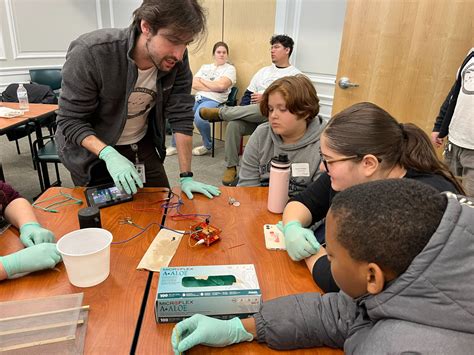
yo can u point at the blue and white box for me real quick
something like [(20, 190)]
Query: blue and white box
[(221, 291)]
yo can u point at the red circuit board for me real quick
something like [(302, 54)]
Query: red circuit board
[(205, 231)]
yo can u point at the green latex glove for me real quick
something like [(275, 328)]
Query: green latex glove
[(121, 170), (188, 185), (208, 331), (300, 242), (37, 257), (32, 233)]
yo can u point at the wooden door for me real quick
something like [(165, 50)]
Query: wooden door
[(404, 54)]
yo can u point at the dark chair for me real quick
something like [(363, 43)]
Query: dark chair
[(231, 101), (50, 77), (44, 151)]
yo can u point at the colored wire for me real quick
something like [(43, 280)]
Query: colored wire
[(69, 200), (150, 209), (144, 229), (168, 204), (178, 216)]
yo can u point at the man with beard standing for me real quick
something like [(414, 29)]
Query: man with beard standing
[(119, 86)]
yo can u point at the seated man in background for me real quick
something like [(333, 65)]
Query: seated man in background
[(40, 252), (245, 118), (400, 251), (294, 127)]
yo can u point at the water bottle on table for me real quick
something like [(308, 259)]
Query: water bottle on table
[(23, 98), (279, 182)]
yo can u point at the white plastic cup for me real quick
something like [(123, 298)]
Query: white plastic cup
[(86, 255)]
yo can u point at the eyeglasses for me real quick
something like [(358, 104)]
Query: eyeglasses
[(330, 161)]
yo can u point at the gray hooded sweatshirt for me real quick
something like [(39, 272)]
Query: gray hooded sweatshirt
[(429, 309), (263, 145)]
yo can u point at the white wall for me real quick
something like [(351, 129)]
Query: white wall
[(316, 27), (36, 33)]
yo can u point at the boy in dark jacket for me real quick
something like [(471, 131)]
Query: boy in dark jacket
[(400, 253)]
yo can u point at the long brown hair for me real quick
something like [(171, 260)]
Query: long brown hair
[(365, 128)]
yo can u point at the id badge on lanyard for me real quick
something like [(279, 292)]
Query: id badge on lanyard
[(139, 165)]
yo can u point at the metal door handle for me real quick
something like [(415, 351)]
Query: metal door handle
[(345, 83)]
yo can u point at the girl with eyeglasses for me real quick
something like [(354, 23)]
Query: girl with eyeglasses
[(361, 143)]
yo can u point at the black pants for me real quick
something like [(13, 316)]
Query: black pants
[(154, 169), (322, 275)]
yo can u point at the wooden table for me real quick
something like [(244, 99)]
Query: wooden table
[(35, 113), (242, 243), (115, 303)]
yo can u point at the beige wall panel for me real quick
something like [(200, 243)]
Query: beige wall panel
[(404, 55), (201, 53), (248, 26)]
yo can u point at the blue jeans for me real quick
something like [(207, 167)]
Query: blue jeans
[(203, 126)]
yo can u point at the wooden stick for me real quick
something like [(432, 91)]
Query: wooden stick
[(42, 327), (85, 308), (37, 343)]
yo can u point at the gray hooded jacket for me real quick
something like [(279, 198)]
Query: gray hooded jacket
[(98, 77), (427, 309), (264, 144)]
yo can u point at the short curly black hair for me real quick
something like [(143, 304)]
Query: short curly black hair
[(284, 40), (387, 222)]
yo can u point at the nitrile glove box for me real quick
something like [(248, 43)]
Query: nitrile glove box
[(221, 291)]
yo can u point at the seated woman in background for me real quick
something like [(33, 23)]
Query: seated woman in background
[(360, 144), (294, 127), (40, 252), (212, 83)]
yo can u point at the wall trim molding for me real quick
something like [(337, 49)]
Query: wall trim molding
[(98, 14), (3, 55), (287, 20), (25, 69), (111, 13), (34, 55), (318, 78), (295, 31), (280, 15), (11, 26)]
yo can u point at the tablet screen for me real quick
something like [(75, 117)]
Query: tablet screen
[(106, 196)]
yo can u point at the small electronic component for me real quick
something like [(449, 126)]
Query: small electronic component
[(205, 233)]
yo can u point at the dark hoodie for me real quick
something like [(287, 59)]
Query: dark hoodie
[(427, 309)]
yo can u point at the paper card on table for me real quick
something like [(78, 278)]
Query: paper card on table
[(6, 112), (161, 250)]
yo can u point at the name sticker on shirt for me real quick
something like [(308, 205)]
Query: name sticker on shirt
[(299, 169)]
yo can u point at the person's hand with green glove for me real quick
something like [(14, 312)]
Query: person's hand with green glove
[(208, 331), (300, 242), (34, 258), (121, 170), (188, 186), (32, 233)]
